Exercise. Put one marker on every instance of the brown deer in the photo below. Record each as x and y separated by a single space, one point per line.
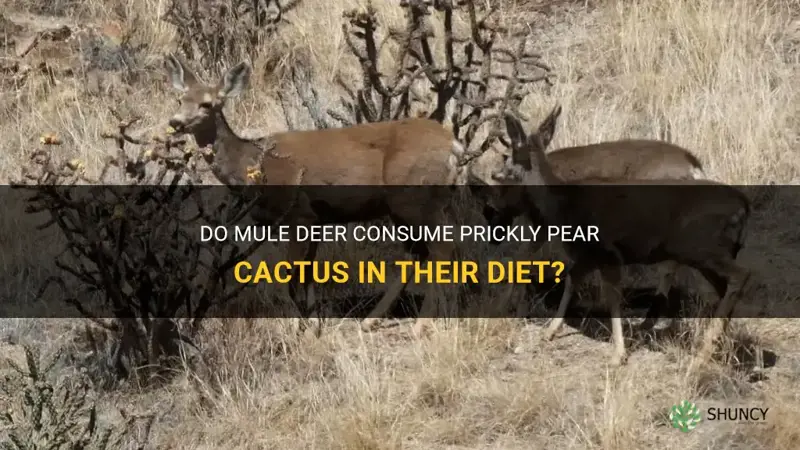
632 159
373 155
698 223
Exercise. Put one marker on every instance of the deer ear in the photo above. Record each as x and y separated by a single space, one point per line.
235 80
176 73
547 129
515 131
520 142
181 78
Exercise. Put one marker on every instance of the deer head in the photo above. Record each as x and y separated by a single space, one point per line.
528 152
490 167
199 103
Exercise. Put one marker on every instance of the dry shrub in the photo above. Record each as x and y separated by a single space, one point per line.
219 34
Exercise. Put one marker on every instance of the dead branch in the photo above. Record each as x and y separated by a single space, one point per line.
212 31
479 79
132 250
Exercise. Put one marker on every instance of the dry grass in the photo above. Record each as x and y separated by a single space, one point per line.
716 76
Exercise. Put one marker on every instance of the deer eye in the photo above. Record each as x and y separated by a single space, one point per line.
206 105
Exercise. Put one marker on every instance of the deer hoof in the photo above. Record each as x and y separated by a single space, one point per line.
548 335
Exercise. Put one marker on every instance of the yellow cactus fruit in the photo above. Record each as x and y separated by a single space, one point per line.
75 164
253 173
49 139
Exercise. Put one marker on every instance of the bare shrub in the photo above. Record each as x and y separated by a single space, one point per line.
132 253
128 250
486 71
216 32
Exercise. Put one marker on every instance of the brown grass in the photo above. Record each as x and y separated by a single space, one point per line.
716 76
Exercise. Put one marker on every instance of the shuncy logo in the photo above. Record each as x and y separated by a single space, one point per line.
685 416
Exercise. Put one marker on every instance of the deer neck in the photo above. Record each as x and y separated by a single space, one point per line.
233 155
205 135
543 192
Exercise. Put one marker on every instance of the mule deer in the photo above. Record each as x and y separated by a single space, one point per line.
699 223
631 159
373 155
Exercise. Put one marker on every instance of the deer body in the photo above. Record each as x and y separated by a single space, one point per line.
629 159
405 152
626 159
698 223
632 159
620 160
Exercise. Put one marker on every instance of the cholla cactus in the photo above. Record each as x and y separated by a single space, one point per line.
42 415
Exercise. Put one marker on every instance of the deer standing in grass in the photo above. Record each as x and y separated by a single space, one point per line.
632 159
373 155
698 223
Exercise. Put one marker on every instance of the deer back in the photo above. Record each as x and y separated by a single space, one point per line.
627 159
643 217
403 152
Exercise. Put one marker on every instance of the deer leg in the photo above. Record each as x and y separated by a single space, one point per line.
611 293
667 273
498 218
729 281
573 277
296 251
470 286
302 294
311 299
666 278
372 321
390 296
438 251
558 320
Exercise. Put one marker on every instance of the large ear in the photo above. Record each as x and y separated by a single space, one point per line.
515 131
181 77
235 80
519 142
547 129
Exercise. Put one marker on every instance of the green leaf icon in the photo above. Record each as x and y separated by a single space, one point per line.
685 416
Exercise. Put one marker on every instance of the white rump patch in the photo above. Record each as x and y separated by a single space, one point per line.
697 173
